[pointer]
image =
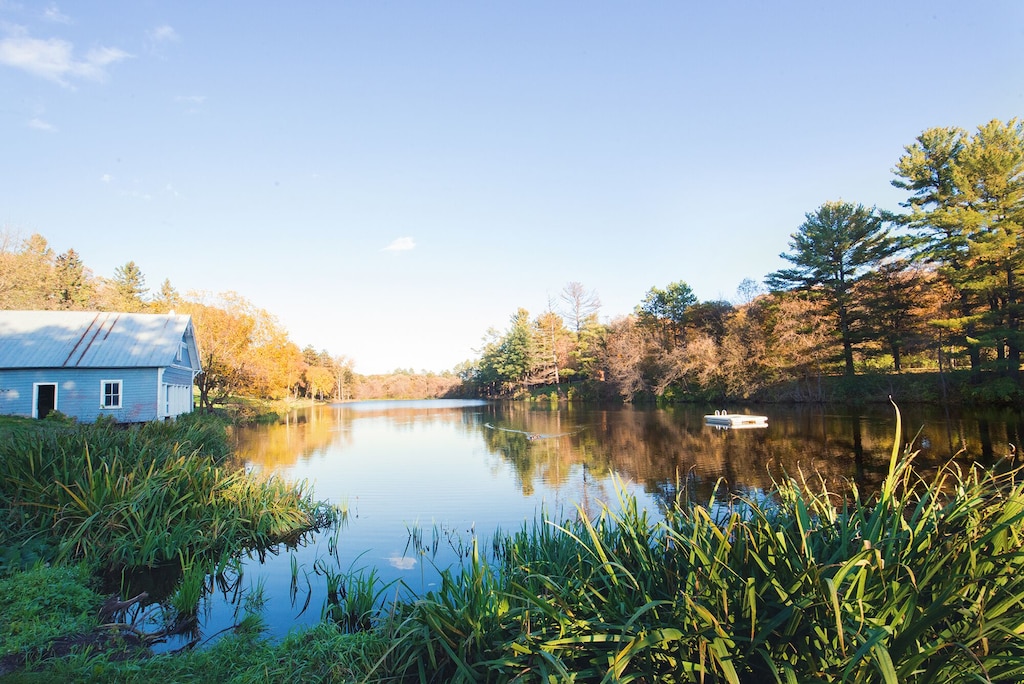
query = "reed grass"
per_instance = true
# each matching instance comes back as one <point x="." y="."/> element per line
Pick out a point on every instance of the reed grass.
<point x="147" y="496"/>
<point x="920" y="582"/>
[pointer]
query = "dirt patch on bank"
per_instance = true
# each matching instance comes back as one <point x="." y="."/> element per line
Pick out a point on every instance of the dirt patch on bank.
<point x="115" y="644"/>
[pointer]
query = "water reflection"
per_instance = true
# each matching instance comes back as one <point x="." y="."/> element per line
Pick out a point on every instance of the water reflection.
<point x="443" y="471"/>
<point x="551" y="447"/>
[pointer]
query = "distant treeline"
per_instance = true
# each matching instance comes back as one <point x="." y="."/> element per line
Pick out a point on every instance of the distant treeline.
<point x="936" y="287"/>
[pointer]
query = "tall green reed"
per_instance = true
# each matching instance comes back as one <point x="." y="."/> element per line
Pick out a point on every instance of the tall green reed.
<point x="143" y="496"/>
<point x="919" y="582"/>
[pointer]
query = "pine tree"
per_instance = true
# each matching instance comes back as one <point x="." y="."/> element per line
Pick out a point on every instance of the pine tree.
<point x="832" y="251"/>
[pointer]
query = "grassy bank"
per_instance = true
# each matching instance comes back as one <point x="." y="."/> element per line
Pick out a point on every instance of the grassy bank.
<point x="919" y="582"/>
<point x="143" y="496"/>
<point x="160" y="499"/>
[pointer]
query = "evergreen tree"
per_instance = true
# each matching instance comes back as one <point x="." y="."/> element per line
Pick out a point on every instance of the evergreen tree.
<point x="515" y="359"/>
<point x="832" y="251"/>
<point x="667" y="309"/>
<point x="129" y="288"/>
<point x="168" y="299"/>
<point x="990" y="173"/>
<point x="967" y="204"/>
<point x="71" y="286"/>
<point x="926" y="170"/>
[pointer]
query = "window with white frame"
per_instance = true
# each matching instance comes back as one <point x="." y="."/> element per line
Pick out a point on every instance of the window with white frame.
<point x="110" y="394"/>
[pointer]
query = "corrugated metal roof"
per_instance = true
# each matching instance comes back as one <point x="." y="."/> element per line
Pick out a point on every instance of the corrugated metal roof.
<point x="89" y="339"/>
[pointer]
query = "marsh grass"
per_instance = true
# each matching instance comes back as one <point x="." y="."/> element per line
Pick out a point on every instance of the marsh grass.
<point x="147" y="496"/>
<point x="159" y="508"/>
<point x="355" y="599"/>
<point x="921" y="582"/>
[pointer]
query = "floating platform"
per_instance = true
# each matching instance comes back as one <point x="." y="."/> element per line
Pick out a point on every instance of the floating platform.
<point x="725" y="419"/>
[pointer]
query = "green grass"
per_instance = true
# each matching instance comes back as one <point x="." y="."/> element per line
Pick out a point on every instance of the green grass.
<point x="323" y="653"/>
<point x="42" y="603"/>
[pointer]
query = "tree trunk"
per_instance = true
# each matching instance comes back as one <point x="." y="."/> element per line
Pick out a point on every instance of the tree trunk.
<point x="844" y="329"/>
<point x="894" y="347"/>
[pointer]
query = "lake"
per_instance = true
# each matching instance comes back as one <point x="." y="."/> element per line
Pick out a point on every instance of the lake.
<point x="421" y="479"/>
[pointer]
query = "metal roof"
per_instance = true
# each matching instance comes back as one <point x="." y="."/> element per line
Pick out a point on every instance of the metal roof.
<point x="90" y="339"/>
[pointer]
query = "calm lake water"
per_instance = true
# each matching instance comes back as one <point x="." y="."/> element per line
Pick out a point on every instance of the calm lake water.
<point x="420" y="479"/>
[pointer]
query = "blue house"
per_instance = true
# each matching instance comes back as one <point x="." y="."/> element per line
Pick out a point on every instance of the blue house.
<point x="87" y="364"/>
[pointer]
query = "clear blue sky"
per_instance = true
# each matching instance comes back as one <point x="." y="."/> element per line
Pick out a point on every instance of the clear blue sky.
<point x="391" y="179"/>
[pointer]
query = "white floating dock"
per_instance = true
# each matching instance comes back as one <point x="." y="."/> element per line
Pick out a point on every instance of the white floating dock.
<point x="735" y="420"/>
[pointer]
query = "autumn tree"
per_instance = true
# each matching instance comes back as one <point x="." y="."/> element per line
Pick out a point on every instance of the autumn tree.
<point x="900" y="298"/>
<point x="26" y="272"/>
<point x="320" y="381"/>
<point x="274" y="361"/>
<point x="831" y="252"/>
<point x="579" y="308"/>
<point x="224" y="326"/>
<point x="325" y="375"/>
<point x="799" y="336"/>
<point x="743" y="355"/>
<point x="344" y="377"/>
<point x="552" y="344"/>
<point x="709" y="318"/>
<point x="625" y="357"/>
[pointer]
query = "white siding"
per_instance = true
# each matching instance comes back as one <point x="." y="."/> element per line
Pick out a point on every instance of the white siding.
<point x="177" y="399"/>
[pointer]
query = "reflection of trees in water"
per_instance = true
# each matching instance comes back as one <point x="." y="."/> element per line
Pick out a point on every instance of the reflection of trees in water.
<point x="302" y="433"/>
<point x="305" y="432"/>
<point x="668" y="452"/>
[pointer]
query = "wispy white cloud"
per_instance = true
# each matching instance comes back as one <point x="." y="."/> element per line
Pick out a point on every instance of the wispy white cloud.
<point x="40" y="125"/>
<point x="54" y="59"/>
<point x="402" y="244"/>
<point x="53" y="13"/>
<point x="160" y="38"/>
<point x="163" y="34"/>
<point x="106" y="178"/>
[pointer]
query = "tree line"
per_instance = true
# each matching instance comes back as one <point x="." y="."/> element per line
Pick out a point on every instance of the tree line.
<point x="936" y="286"/>
<point x="245" y="349"/>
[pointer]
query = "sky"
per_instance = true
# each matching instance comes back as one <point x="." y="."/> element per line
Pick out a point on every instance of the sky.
<point x="393" y="179"/>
